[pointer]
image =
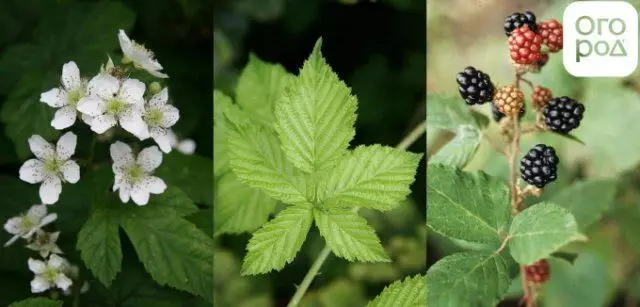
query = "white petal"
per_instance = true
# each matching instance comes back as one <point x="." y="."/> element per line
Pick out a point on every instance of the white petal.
<point x="132" y="91"/>
<point x="150" y="69"/>
<point x="139" y="195"/>
<point x="173" y="138"/>
<point x="170" y="116"/>
<point x="36" y="266"/>
<point x="56" y="262"/>
<point x="92" y="106"/>
<point x="37" y="212"/>
<point x="66" y="146"/>
<point x="64" y="118"/>
<point x="41" y="148"/>
<point x="153" y="185"/>
<point x="71" y="171"/>
<point x="39" y="284"/>
<point x="149" y="158"/>
<point x="161" y="137"/>
<point x="63" y="282"/>
<point x="50" y="190"/>
<point x="125" y="193"/>
<point x="133" y="122"/>
<point x="121" y="153"/>
<point x="87" y="119"/>
<point x="50" y="218"/>
<point x="187" y="147"/>
<point x="104" y="86"/>
<point x="117" y="182"/>
<point x="159" y="99"/>
<point x="54" y="97"/>
<point x="13" y="225"/>
<point x="12" y="240"/>
<point x="100" y="124"/>
<point x="32" y="171"/>
<point x="125" y="43"/>
<point x="70" y="76"/>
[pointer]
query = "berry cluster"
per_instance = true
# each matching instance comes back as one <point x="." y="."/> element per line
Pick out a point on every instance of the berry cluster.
<point x="539" y="166"/>
<point x="526" y="38"/>
<point x="537" y="272"/>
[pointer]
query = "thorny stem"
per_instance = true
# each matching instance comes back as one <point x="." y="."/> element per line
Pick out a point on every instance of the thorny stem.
<point x="408" y="140"/>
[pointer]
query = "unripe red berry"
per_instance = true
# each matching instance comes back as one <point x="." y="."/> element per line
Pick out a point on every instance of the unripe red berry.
<point x="551" y="33"/>
<point x="538" y="272"/>
<point x="524" y="45"/>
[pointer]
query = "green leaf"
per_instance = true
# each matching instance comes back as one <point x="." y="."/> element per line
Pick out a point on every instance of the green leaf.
<point x="174" y="201"/>
<point x="459" y="151"/>
<point x="37" y="302"/>
<point x="175" y="252"/>
<point x="540" y="230"/>
<point x="448" y="112"/>
<point x="468" y="206"/>
<point x="587" y="200"/>
<point x="349" y="236"/>
<point x="315" y="116"/>
<point x="224" y="113"/>
<point x="258" y="160"/>
<point x="190" y="173"/>
<point x="412" y="291"/>
<point x="99" y="245"/>
<point x="468" y="279"/>
<point x="376" y="177"/>
<point x="589" y="272"/>
<point x="239" y="207"/>
<point x="277" y="242"/>
<point x="259" y="87"/>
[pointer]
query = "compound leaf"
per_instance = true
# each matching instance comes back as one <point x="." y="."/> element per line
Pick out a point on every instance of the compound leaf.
<point x="468" y="279"/>
<point x="349" y="236"/>
<point x="467" y="206"/>
<point x="448" y="112"/>
<point x="99" y="245"/>
<point x="315" y="116"/>
<point x="460" y="150"/>
<point x="277" y="242"/>
<point x="412" y="291"/>
<point x="376" y="177"/>
<point x="540" y="230"/>
<point x="587" y="200"/>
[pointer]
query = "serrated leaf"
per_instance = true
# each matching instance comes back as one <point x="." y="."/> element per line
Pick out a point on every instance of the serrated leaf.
<point x="174" y="201"/>
<point x="349" y="236"/>
<point x="190" y="173"/>
<point x="376" y="177"/>
<point x="412" y="291"/>
<point x="99" y="245"/>
<point x="468" y="279"/>
<point x="315" y="116"/>
<point x="277" y="242"/>
<point x="37" y="302"/>
<point x="540" y="230"/>
<point x="224" y="111"/>
<point x="220" y="153"/>
<point x="259" y="87"/>
<point x="448" y="112"/>
<point x="470" y="206"/>
<point x="587" y="200"/>
<point x="174" y="252"/>
<point x="459" y="151"/>
<point x="239" y="207"/>
<point x="258" y="160"/>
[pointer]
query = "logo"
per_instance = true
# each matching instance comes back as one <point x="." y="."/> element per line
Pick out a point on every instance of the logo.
<point x="600" y="39"/>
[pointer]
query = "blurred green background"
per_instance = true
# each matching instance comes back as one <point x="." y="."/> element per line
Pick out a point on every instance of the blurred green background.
<point x="36" y="38"/>
<point x="605" y="270"/>
<point x="378" y="48"/>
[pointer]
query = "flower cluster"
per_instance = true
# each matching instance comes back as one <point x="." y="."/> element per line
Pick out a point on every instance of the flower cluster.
<point x="104" y="102"/>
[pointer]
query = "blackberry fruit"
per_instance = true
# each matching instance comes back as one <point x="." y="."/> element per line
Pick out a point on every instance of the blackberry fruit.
<point x="539" y="166"/>
<point x="497" y="115"/>
<point x="474" y="86"/>
<point x="517" y="20"/>
<point x="538" y="272"/>
<point x="562" y="114"/>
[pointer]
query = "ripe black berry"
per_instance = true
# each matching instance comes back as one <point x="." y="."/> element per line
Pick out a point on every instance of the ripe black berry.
<point x="517" y="20"/>
<point x="539" y="166"/>
<point x="497" y="115"/>
<point x="563" y="114"/>
<point x="474" y="86"/>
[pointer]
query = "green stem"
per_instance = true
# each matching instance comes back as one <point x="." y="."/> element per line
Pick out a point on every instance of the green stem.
<point x="408" y="140"/>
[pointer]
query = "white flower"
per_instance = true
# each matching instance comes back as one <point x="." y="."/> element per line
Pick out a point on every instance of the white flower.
<point x="52" y="166"/>
<point x="139" y="55"/>
<point x="49" y="274"/>
<point x="110" y="101"/>
<point x="186" y="146"/>
<point x="133" y="176"/>
<point x="26" y="225"/>
<point x="45" y="243"/>
<point x="73" y="272"/>
<point x="66" y="97"/>
<point x="160" y="116"/>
